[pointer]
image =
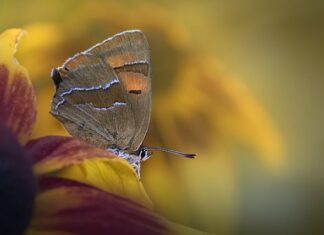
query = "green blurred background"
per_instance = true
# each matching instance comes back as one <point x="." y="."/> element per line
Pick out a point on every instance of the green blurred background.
<point x="239" y="82"/>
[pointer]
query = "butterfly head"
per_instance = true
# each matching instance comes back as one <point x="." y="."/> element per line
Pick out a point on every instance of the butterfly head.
<point x="144" y="153"/>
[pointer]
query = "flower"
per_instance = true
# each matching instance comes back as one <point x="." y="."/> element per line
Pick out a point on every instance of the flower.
<point x="61" y="185"/>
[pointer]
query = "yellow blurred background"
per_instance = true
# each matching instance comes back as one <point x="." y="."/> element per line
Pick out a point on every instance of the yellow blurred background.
<point x="238" y="82"/>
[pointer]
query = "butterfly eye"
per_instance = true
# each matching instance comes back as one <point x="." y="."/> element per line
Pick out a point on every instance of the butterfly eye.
<point x="143" y="153"/>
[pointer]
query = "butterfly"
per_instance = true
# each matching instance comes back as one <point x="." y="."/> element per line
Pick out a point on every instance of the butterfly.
<point x="103" y="96"/>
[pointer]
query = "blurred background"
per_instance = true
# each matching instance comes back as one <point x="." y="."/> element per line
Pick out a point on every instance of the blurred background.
<point x="240" y="83"/>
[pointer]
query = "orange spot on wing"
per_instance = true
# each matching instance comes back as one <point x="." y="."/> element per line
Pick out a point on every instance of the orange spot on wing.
<point x="134" y="81"/>
<point x="120" y="60"/>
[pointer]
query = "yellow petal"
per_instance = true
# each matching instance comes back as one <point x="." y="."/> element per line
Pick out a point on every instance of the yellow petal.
<point x="73" y="159"/>
<point x="17" y="98"/>
<point x="113" y="175"/>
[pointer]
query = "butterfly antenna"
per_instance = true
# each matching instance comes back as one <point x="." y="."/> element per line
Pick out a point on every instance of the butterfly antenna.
<point x="187" y="155"/>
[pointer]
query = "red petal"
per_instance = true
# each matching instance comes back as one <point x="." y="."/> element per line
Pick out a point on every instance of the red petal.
<point x="53" y="153"/>
<point x="65" y="206"/>
<point x="17" y="98"/>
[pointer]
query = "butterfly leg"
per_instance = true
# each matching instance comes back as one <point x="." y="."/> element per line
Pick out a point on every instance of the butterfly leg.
<point x="139" y="168"/>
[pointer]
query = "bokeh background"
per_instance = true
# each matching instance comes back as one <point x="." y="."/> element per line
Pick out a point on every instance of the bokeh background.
<point x="238" y="82"/>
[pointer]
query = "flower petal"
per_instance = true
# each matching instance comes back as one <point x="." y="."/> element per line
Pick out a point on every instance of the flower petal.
<point x="52" y="153"/>
<point x="68" y="207"/>
<point x="17" y="98"/>
<point x="73" y="159"/>
<point x="113" y="175"/>
<point x="17" y="185"/>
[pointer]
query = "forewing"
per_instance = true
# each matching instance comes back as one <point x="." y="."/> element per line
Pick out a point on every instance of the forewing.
<point x="89" y="101"/>
<point x="128" y="54"/>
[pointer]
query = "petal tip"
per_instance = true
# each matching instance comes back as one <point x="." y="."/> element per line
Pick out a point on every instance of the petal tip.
<point x="17" y="97"/>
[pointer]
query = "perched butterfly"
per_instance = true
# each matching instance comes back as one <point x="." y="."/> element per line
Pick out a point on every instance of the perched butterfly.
<point x="103" y="96"/>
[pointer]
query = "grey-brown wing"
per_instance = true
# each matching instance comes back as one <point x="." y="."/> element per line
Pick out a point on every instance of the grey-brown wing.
<point x="104" y="95"/>
<point x="129" y="55"/>
<point x="89" y="101"/>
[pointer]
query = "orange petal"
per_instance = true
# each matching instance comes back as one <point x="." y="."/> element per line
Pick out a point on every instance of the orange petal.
<point x="68" y="207"/>
<point x="17" y="98"/>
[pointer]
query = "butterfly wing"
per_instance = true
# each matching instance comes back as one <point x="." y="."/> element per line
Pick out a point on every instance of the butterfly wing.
<point x="103" y="94"/>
